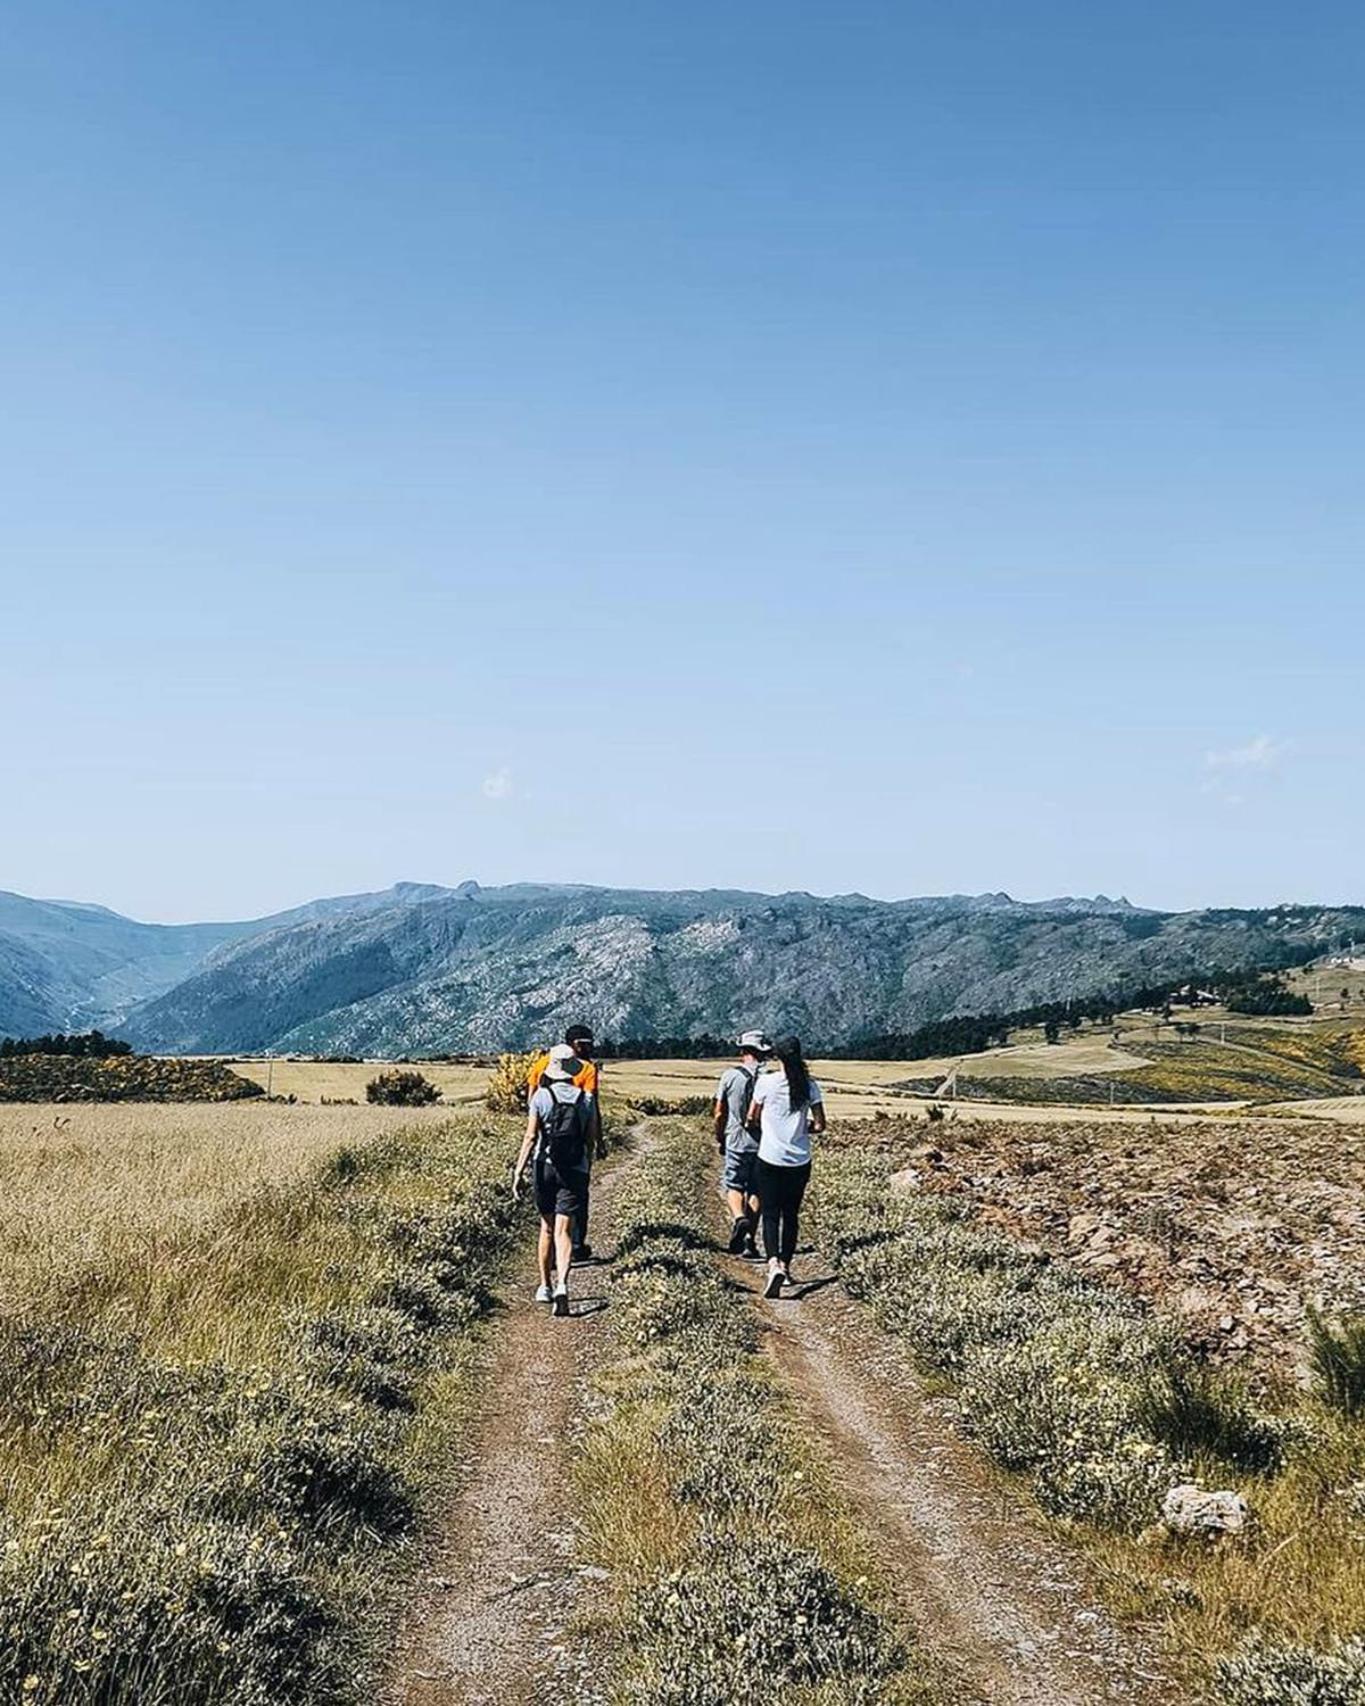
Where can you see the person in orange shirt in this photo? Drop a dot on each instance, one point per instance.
(580, 1040)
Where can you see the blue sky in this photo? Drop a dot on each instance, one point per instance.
(896, 447)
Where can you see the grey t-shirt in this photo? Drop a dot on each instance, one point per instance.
(735, 1090)
(542, 1103)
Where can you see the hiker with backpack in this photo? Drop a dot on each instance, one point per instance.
(559, 1127)
(786, 1110)
(586, 1075)
(738, 1146)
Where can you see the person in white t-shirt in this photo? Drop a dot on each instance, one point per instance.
(787, 1109)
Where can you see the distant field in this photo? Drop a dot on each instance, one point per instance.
(1139, 1062)
(850, 1086)
(311, 1081)
(1087, 1052)
(1262, 1063)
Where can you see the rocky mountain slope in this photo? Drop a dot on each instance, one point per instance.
(65, 965)
(421, 968)
(481, 969)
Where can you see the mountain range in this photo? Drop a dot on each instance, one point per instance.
(421, 968)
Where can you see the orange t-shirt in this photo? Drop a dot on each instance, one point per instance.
(585, 1077)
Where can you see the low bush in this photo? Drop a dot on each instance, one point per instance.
(400, 1089)
(133, 1607)
(754, 1607)
(659, 1107)
(509, 1087)
(119, 1078)
(1266, 1674)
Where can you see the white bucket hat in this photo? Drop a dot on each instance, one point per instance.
(563, 1063)
(755, 1040)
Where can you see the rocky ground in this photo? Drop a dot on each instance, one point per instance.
(1233, 1224)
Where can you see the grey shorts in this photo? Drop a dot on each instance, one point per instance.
(739, 1170)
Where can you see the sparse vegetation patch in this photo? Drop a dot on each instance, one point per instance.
(1105, 1404)
(733, 1571)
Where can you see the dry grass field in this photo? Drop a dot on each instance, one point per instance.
(114, 1189)
(234, 1346)
(237, 1343)
(345, 1081)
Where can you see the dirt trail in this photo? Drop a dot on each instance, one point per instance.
(987, 1587)
(491, 1620)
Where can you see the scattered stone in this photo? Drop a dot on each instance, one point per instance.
(1192, 1510)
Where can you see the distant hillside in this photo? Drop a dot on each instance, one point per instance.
(478, 969)
(65, 966)
(423, 968)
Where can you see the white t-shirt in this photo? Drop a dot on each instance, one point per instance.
(784, 1138)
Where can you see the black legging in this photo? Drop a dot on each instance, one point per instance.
(780, 1190)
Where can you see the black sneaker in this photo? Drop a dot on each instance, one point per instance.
(583, 1253)
(561, 1301)
(751, 1249)
(739, 1237)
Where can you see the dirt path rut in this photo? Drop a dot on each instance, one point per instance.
(989, 1590)
(490, 1623)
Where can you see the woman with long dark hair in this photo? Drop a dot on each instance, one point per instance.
(787, 1110)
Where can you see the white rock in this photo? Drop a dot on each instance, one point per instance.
(1192, 1510)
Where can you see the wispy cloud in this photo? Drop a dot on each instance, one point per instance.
(1235, 769)
(1263, 753)
(499, 786)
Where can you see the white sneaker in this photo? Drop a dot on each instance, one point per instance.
(776, 1279)
(543, 1294)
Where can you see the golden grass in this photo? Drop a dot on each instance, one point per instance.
(181, 1419)
(119, 1186)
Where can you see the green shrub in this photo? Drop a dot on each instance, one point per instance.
(509, 1087)
(398, 1089)
(107, 1607)
(1195, 1413)
(660, 1107)
(1337, 1354)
